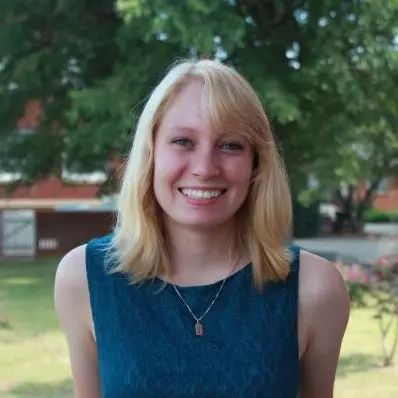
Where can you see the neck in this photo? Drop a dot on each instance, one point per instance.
(201, 257)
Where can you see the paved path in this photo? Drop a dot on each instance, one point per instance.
(387, 229)
(365, 250)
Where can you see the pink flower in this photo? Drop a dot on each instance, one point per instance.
(355, 274)
(383, 261)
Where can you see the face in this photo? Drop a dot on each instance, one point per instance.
(201, 177)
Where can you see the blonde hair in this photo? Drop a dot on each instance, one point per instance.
(138, 244)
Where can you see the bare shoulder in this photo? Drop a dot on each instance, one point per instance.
(324, 308)
(71, 288)
(72, 304)
(323, 297)
(320, 281)
(71, 272)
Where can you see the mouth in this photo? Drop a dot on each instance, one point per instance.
(202, 193)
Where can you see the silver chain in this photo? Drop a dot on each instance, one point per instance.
(198, 319)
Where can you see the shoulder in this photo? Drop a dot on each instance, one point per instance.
(324, 308)
(75, 266)
(319, 278)
(323, 296)
(71, 268)
(72, 305)
(71, 293)
(70, 285)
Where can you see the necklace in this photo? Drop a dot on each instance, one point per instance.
(198, 325)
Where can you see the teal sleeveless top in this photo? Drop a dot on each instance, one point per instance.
(147, 346)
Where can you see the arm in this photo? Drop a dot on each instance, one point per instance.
(72, 305)
(324, 312)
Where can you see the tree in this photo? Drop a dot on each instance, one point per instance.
(92, 64)
(369, 152)
(48, 48)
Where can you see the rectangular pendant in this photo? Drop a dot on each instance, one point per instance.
(199, 329)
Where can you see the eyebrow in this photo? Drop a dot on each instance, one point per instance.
(183, 129)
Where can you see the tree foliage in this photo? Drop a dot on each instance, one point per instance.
(324, 70)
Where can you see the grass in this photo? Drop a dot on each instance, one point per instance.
(360, 374)
(34, 356)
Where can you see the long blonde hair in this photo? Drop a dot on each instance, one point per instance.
(138, 245)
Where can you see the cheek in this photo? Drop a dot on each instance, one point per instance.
(167, 168)
(240, 171)
(158, 173)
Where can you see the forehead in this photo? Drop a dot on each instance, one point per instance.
(186, 114)
(186, 109)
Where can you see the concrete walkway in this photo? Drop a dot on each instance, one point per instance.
(382, 241)
(364, 250)
(387, 229)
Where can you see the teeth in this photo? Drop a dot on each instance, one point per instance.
(196, 194)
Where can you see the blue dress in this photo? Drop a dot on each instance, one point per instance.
(147, 346)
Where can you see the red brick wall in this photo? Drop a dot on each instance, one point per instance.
(53, 188)
(31, 116)
(387, 201)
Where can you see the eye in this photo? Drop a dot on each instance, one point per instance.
(232, 146)
(181, 141)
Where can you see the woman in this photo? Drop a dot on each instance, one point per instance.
(195, 293)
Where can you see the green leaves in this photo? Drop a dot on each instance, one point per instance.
(200, 24)
(326, 73)
(282, 104)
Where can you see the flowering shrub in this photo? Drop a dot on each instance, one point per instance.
(385, 296)
(386, 269)
(377, 289)
(357, 281)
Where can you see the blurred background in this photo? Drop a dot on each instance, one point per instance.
(74, 75)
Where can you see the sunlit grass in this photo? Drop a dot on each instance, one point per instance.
(34, 358)
(360, 374)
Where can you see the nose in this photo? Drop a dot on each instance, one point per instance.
(205, 164)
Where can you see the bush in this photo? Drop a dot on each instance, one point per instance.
(379, 291)
(357, 284)
(377, 216)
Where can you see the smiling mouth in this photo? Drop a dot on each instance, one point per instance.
(201, 193)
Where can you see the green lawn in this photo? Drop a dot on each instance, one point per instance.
(34, 358)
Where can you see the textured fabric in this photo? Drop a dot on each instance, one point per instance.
(147, 345)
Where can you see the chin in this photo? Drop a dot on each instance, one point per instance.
(203, 224)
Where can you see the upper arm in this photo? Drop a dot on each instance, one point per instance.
(72, 305)
(324, 308)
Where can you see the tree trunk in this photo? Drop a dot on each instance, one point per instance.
(353, 209)
(363, 205)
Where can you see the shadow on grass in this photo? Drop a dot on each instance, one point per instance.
(356, 363)
(5, 324)
(62, 389)
(26, 298)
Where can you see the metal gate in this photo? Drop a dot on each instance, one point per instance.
(18, 233)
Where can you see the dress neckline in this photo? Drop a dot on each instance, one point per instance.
(208, 286)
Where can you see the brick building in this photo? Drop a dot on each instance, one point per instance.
(83, 189)
(386, 196)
